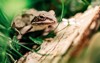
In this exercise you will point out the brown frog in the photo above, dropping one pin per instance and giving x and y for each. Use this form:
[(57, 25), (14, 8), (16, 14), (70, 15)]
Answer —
[(33, 20)]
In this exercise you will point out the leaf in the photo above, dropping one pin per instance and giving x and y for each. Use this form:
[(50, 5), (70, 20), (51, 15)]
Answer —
[(37, 40)]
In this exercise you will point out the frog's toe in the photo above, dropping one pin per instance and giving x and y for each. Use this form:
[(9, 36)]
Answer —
[(19, 37)]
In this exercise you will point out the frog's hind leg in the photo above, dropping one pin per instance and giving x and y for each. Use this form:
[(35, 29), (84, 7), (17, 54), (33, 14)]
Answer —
[(25, 29)]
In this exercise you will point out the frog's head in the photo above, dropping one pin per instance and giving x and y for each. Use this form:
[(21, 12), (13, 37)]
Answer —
[(44, 17)]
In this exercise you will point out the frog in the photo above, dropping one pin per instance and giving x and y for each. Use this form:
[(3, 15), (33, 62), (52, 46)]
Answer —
[(32, 20)]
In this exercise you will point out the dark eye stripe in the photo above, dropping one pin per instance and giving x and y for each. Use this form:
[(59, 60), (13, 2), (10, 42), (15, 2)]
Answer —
[(38, 18), (41, 18), (35, 19)]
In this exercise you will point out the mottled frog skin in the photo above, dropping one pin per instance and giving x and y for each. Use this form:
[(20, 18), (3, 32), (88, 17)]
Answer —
[(32, 20)]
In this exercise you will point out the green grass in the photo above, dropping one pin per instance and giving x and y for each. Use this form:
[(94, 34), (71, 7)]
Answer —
[(62, 12)]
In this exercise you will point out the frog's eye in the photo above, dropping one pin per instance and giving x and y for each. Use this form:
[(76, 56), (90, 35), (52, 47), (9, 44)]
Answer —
[(41, 18)]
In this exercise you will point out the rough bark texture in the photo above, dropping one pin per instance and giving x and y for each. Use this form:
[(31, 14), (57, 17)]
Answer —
[(68, 41)]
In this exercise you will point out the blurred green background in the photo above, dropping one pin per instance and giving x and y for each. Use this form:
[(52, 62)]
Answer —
[(12, 7)]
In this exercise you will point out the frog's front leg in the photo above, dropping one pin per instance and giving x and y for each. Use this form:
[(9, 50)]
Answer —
[(47, 30)]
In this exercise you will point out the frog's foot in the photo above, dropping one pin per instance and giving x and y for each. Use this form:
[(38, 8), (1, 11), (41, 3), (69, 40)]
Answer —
[(19, 37)]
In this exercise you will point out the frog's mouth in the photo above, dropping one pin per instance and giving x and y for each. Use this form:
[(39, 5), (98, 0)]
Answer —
[(42, 20)]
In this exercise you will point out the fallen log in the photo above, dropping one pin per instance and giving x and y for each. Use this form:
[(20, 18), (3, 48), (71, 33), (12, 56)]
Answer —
[(68, 41)]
